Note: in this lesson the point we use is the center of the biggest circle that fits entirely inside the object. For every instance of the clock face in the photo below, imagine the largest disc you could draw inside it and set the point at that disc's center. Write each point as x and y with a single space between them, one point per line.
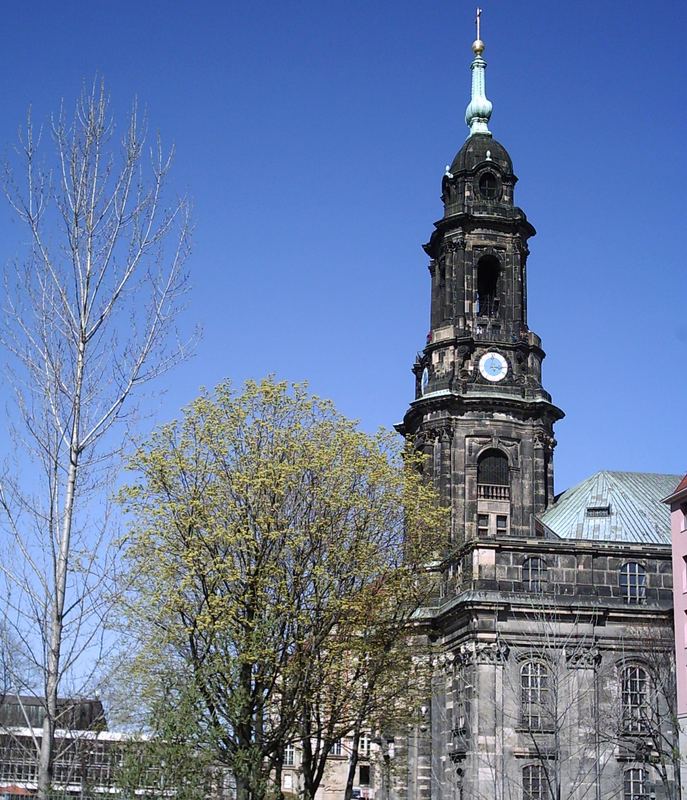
493 366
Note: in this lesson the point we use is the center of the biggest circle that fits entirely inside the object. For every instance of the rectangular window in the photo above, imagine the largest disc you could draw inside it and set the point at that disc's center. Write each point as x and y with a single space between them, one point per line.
364 774
637 716
289 755
483 524
337 748
501 523
599 511
534 695
364 745
533 782
634 785
632 582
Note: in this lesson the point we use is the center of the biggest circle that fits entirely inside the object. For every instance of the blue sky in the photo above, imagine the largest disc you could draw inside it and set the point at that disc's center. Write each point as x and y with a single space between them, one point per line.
313 137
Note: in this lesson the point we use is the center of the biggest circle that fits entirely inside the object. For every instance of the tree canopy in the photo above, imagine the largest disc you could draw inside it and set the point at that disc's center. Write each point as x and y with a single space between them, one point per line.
276 553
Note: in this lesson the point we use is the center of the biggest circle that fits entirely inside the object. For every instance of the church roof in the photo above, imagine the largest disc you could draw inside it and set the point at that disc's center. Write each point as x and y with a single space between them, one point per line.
614 507
478 149
681 487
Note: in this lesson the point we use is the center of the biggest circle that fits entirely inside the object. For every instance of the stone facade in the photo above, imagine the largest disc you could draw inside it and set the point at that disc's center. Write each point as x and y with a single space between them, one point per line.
553 652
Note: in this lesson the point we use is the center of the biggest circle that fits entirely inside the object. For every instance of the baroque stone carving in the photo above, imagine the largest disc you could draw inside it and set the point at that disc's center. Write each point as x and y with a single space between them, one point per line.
444 662
544 439
589 658
482 653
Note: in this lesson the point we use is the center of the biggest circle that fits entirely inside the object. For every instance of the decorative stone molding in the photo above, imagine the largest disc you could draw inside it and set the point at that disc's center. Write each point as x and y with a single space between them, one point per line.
494 653
589 658
444 662
544 439
491 653
523 248
510 446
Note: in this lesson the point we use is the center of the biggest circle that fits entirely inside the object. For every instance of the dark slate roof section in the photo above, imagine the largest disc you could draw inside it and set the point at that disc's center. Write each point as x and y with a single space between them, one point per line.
614 507
474 152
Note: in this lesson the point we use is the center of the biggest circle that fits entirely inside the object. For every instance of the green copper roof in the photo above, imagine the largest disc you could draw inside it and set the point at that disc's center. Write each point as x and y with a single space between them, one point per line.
614 507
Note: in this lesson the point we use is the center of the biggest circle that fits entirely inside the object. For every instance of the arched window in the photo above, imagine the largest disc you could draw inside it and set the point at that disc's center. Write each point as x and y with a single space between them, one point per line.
493 476
534 575
634 784
492 468
533 782
535 695
635 699
632 582
488 269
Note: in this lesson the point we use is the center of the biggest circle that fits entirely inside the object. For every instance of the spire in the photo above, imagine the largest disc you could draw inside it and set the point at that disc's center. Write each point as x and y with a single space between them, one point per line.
479 109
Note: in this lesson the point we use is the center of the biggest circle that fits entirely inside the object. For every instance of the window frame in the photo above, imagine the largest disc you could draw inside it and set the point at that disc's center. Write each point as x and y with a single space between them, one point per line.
534 784
535 694
489 186
534 581
337 749
289 757
635 699
637 776
632 582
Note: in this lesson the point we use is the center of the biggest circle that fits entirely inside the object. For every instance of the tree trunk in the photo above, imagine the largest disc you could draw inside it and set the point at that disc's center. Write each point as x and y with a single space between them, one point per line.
52 684
352 764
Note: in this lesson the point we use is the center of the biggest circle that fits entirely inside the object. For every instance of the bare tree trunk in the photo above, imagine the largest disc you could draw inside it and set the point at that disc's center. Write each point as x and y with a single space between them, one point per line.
352 763
57 620
82 340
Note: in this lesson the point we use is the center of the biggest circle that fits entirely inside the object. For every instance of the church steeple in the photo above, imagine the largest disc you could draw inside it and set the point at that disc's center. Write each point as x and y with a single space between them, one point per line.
480 407
478 112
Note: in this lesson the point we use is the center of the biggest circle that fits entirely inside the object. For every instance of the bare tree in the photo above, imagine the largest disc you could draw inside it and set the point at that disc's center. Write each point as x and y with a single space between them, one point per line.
539 682
88 318
645 726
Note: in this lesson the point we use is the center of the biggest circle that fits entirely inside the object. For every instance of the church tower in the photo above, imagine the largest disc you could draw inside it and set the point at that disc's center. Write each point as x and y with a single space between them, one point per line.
541 608
480 410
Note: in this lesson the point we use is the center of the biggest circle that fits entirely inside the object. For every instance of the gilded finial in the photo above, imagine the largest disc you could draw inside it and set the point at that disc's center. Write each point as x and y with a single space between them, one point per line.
478 44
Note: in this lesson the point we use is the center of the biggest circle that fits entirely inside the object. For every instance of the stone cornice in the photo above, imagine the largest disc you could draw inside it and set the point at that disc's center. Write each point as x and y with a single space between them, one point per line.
584 546
597 610
458 405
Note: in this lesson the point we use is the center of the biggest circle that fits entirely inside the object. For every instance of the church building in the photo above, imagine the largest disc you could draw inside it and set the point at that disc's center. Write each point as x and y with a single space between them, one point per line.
551 621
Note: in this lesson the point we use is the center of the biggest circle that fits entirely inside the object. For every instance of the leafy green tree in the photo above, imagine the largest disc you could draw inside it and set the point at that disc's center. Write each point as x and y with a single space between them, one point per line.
168 759
270 544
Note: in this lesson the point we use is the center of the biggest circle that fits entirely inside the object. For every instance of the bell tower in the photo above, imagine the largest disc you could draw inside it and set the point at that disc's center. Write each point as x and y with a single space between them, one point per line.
480 410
